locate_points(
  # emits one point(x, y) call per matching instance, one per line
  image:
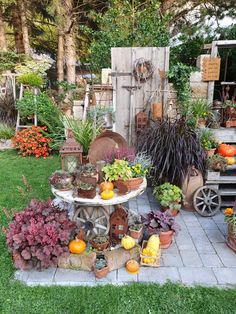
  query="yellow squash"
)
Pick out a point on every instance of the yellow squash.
point(154, 242)
point(127, 242)
point(230, 160)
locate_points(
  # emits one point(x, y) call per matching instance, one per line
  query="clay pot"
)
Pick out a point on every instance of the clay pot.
point(91, 179)
point(166, 238)
point(210, 152)
point(100, 246)
point(87, 193)
point(125, 186)
point(85, 159)
point(231, 238)
point(136, 234)
point(174, 212)
point(101, 273)
point(201, 123)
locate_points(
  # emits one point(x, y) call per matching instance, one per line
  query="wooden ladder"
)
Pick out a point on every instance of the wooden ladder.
point(18, 119)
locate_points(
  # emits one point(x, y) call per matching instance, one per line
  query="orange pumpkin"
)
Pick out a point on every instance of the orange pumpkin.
point(226, 150)
point(106, 186)
point(77, 246)
point(107, 195)
point(132, 266)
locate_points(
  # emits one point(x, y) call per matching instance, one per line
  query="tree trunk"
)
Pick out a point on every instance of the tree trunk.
point(70, 54)
point(60, 56)
point(166, 5)
point(24, 26)
point(16, 22)
point(3, 42)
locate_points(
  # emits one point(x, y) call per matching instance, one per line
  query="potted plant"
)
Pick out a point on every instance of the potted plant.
point(169, 196)
point(61, 180)
point(229, 113)
point(100, 267)
point(136, 230)
point(100, 242)
point(201, 111)
point(230, 218)
point(85, 190)
point(216, 163)
point(209, 143)
point(162, 223)
point(86, 173)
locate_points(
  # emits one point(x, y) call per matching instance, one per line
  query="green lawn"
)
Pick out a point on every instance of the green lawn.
point(137, 298)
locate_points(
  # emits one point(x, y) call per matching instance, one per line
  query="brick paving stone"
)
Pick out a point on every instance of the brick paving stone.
point(200, 276)
point(223, 228)
point(172, 259)
point(171, 249)
point(44, 277)
point(184, 243)
point(215, 235)
point(192, 223)
point(143, 209)
point(158, 275)
point(70, 276)
point(219, 217)
point(225, 276)
point(124, 277)
point(207, 223)
point(203, 245)
point(227, 256)
point(110, 278)
point(191, 258)
point(210, 260)
point(196, 232)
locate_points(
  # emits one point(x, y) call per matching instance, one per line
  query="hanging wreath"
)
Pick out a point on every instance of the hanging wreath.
point(143, 70)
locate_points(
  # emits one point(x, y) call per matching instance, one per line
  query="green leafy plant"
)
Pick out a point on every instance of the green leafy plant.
point(119, 169)
point(84, 131)
point(208, 141)
point(216, 162)
point(141, 165)
point(31, 79)
point(9, 59)
point(201, 108)
point(168, 195)
point(174, 147)
point(85, 186)
point(6, 131)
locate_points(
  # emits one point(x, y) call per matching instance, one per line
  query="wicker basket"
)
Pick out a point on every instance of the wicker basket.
point(156, 258)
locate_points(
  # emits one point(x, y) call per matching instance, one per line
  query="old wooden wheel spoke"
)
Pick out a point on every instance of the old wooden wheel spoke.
point(100, 226)
point(210, 201)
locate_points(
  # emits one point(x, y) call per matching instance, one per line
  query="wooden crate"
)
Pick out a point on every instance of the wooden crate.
point(157, 258)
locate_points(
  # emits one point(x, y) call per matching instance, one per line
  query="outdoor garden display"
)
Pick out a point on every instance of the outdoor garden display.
point(218, 163)
point(209, 143)
point(61, 180)
point(230, 218)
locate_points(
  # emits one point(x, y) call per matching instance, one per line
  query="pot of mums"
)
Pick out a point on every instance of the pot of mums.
point(100, 267)
point(208, 142)
point(169, 196)
point(85, 190)
point(163, 224)
point(230, 218)
point(100, 242)
point(61, 180)
point(86, 173)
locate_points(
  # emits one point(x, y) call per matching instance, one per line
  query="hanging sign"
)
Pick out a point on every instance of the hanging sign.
point(211, 69)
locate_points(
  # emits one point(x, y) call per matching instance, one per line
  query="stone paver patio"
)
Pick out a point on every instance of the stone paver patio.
point(199, 256)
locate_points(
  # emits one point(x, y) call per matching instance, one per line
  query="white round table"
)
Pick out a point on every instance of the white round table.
point(93, 214)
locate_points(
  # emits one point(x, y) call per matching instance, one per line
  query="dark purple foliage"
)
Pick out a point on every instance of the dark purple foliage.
point(125, 153)
point(38, 235)
point(157, 221)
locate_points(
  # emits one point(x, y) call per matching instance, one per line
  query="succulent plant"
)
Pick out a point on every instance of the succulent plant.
point(216, 163)
point(136, 227)
point(100, 239)
point(100, 263)
point(85, 186)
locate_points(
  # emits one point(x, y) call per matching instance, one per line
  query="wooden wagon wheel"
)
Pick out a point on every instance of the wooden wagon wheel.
point(95, 220)
point(207, 201)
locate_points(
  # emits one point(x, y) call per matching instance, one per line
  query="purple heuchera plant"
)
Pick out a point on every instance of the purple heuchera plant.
point(123, 153)
point(157, 221)
point(38, 235)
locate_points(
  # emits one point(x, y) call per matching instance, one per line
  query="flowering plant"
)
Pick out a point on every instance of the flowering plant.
point(125, 153)
point(32, 141)
point(38, 235)
point(230, 216)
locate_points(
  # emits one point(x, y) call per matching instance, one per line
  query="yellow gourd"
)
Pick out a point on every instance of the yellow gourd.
point(107, 194)
point(230, 160)
point(154, 242)
point(127, 242)
point(149, 260)
point(148, 251)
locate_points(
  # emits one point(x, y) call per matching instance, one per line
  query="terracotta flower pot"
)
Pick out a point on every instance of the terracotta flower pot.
point(231, 238)
point(100, 246)
point(136, 234)
point(210, 152)
point(87, 193)
point(166, 238)
point(101, 273)
point(125, 186)
point(201, 123)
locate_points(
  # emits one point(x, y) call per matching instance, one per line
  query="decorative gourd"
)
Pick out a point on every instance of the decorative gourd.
point(153, 242)
point(127, 242)
point(132, 266)
point(226, 150)
point(230, 160)
point(148, 251)
point(77, 246)
point(149, 260)
point(107, 195)
point(106, 186)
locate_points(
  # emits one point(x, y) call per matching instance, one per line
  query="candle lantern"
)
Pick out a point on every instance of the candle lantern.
point(71, 153)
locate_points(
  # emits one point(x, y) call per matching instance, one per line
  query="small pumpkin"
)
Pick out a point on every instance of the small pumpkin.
point(107, 195)
point(132, 266)
point(77, 246)
point(230, 160)
point(127, 242)
point(106, 186)
point(226, 150)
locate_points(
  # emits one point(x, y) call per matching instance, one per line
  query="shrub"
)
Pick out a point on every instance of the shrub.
point(30, 79)
point(32, 141)
point(38, 235)
point(6, 131)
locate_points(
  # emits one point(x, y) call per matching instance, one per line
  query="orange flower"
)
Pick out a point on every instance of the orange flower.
point(229, 211)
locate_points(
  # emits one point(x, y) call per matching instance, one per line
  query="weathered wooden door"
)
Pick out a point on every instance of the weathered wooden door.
point(131, 96)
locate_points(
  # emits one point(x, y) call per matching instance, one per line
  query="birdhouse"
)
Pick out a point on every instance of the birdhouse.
point(71, 153)
point(141, 120)
point(118, 224)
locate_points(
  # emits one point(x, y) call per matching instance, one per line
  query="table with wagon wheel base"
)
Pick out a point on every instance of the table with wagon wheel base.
point(94, 214)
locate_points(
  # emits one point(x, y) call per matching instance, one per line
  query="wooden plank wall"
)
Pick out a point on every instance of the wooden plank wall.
point(123, 61)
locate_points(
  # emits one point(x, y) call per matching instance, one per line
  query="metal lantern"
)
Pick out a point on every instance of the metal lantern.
point(71, 153)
